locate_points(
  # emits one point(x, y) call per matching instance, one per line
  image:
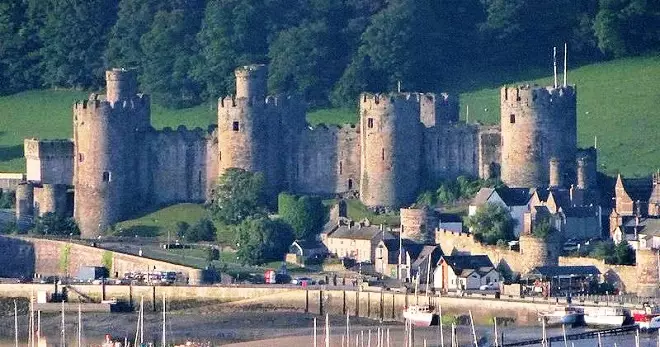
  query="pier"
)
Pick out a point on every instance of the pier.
point(578, 336)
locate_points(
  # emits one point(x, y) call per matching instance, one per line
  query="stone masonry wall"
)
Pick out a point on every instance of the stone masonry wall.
point(623, 277)
point(450, 151)
point(49, 161)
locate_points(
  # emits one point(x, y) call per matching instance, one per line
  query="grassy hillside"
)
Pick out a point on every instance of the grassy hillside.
point(618, 101)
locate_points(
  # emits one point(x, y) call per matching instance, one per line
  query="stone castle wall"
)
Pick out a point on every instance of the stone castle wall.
point(538, 123)
point(418, 224)
point(50, 198)
point(533, 252)
point(450, 150)
point(490, 151)
point(328, 161)
point(49, 161)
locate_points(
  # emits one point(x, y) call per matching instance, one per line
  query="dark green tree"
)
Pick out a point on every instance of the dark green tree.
point(74, 36)
point(170, 49)
point(238, 195)
point(203, 230)
point(624, 254)
point(259, 240)
point(626, 27)
point(604, 250)
point(181, 229)
point(134, 19)
point(542, 228)
point(53, 224)
point(305, 214)
point(212, 254)
point(491, 222)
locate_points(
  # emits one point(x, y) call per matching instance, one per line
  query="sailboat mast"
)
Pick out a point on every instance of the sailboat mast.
point(141, 320)
point(164, 320)
point(428, 276)
point(63, 333)
point(79, 325)
point(15, 324)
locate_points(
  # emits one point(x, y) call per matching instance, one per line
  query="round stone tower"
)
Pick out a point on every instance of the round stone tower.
point(243, 123)
point(539, 252)
point(418, 224)
point(52, 199)
point(555, 173)
point(24, 201)
point(538, 123)
point(586, 169)
point(647, 272)
point(105, 143)
point(391, 144)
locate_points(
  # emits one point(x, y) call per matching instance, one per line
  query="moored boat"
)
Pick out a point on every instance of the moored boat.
point(604, 316)
point(647, 318)
point(421, 315)
point(558, 315)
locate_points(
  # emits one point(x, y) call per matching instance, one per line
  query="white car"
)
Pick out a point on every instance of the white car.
point(490, 286)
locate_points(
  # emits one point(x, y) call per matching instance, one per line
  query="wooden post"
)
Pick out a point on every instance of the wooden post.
point(153, 298)
point(357, 303)
point(368, 304)
point(393, 307)
point(382, 306)
point(320, 302)
point(306, 300)
point(344, 310)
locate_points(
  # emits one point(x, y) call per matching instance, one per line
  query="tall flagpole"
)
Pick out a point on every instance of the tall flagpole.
point(565, 62)
point(554, 63)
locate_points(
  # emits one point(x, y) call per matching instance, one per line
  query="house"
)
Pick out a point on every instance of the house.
point(405, 259)
point(465, 272)
point(514, 199)
point(304, 252)
point(641, 233)
point(566, 213)
point(356, 241)
point(635, 197)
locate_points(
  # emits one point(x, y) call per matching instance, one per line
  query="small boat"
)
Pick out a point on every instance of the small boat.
point(421, 315)
point(604, 316)
point(558, 315)
point(647, 318)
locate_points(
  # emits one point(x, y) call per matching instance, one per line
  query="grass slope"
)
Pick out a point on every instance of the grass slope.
point(618, 101)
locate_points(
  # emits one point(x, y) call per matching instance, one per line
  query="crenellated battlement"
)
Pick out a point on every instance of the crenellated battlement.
point(536, 96)
point(390, 100)
point(333, 128)
point(35, 148)
point(137, 103)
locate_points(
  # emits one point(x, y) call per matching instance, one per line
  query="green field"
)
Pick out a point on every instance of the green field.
point(618, 101)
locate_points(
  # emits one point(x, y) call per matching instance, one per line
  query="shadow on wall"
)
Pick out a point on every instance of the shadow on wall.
point(613, 278)
point(17, 258)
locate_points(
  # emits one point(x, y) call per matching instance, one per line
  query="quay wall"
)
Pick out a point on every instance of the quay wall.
point(623, 277)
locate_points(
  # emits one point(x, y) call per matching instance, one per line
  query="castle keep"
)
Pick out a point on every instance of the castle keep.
point(118, 164)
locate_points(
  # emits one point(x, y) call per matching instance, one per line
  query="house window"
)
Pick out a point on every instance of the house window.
point(235, 126)
point(350, 184)
point(370, 123)
point(512, 118)
point(106, 176)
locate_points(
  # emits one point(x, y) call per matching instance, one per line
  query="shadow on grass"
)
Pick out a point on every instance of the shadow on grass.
point(11, 152)
point(139, 231)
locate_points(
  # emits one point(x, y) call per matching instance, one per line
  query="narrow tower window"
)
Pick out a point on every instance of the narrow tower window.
point(106, 176)
point(350, 184)
point(341, 168)
point(81, 157)
point(370, 123)
point(235, 126)
point(220, 156)
point(512, 118)
point(382, 154)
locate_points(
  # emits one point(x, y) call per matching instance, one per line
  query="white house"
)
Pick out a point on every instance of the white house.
point(514, 199)
point(464, 272)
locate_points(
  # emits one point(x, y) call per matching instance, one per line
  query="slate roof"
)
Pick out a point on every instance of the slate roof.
point(648, 226)
point(510, 196)
point(309, 244)
point(460, 263)
point(450, 218)
point(580, 211)
point(482, 196)
point(638, 188)
point(356, 232)
point(418, 252)
point(555, 271)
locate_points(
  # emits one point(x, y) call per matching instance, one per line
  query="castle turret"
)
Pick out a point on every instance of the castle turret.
point(391, 144)
point(121, 84)
point(586, 169)
point(251, 81)
point(536, 251)
point(556, 176)
point(538, 123)
point(50, 198)
point(647, 272)
point(418, 224)
point(106, 134)
point(24, 204)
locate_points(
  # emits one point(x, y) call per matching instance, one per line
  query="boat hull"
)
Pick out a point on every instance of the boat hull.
point(422, 319)
point(610, 321)
point(563, 319)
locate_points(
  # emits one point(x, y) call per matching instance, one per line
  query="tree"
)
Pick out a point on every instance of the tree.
point(170, 49)
point(626, 27)
point(212, 254)
point(491, 222)
point(603, 250)
point(624, 253)
point(53, 224)
point(134, 19)
point(305, 214)
point(259, 240)
point(238, 194)
point(203, 230)
point(74, 36)
point(181, 229)
point(543, 228)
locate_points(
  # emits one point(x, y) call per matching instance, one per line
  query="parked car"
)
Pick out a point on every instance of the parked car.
point(490, 286)
point(300, 280)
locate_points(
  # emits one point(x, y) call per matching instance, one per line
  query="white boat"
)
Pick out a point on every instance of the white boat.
point(558, 315)
point(604, 316)
point(421, 315)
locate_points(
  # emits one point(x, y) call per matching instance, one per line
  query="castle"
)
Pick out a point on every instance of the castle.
point(118, 164)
